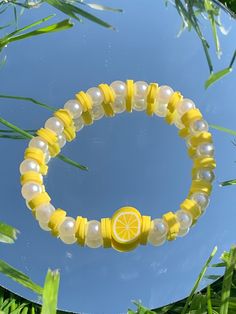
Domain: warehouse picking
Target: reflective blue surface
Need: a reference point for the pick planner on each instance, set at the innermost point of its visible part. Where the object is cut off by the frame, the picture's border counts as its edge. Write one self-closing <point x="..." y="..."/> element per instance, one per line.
<point x="132" y="159"/>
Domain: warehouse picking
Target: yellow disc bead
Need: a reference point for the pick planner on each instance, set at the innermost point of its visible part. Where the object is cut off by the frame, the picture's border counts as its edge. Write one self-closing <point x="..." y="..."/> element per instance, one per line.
<point x="31" y="176"/>
<point x="173" y="224"/>
<point x="109" y="98"/>
<point x="51" y="138"/>
<point x="204" y="137"/>
<point x="56" y="219"/>
<point x="36" y="154"/>
<point x="146" y="226"/>
<point x="183" y="132"/>
<point x="200" y="186"/>
<point x="191" y="115"/>
<point x="65" y="116"/>
<point x="70" y="133"/>
<point x="129" y="95"/>
<point x="42" y="198"/>
<point x="204" y="162"/>
<point x="151" y="98"/>
<point x="191" y="207"/>
<point x="80" y="229"/>
<point x="86" y="103"/>
<point x="175" y="98"/>
<point x="106" y="232"/>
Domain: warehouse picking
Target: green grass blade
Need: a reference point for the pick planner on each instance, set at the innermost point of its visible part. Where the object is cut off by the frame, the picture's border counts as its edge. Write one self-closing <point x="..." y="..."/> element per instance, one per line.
<point x="19" y="277"/>
<point x="56" y="27"/>
<point x="50" y="292"/>
<point x="100" y="7"/>
<point x="72" y="9"/>
<point x="220" y="128"/>
<point x="201" y="275"/>
<point x="227" y="183"/>
<point x="15" y="128"/>
<point x="227" y="281"/>
<point x="217" y="76"/>
<point x="63" y="7"/>
<point x="8" y="234"/>
<point x="72" y="162"/>
<point x="29" y="99"/>
<point x="209" y="305"/>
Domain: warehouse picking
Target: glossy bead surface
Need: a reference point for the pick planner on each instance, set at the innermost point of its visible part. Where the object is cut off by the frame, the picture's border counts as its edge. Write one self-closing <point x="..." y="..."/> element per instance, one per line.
<point x="119" y="88"/>
<point x="67" y="227"/>
<point x="93" y="236"/>
<point x="205" y="174"/>
<point x="74" y="107"/>
<point x="30" y="189"/>
<point x="205" y="149"/>
<point x="47" y="157"/>
<point x="201" y="199"/>
<point x="68" y="239"/>
<point x="44" y="226"/>
<point x="184" y="218"/>
<point x="79" y="124"/>
<point x="140" y="90"/>
<point x="161" y="109"/>
<point x="61" y="140"/>
<point x="185" y="105"/>
<point x="164" y="94"/>
<point x="38" y="142"/>
<point x="158" y="232"/>
<point x="119" y="104"/>
<point x="198" y="126"/>
<point x="55" y="125"/>
<point x="44" y="212"/>
<point x="96" y="95"/>
<point x="183" y="232"/>
<point x="97" y="112"/>
<point x="139" y="104"/>
<point x="29" y="165"/>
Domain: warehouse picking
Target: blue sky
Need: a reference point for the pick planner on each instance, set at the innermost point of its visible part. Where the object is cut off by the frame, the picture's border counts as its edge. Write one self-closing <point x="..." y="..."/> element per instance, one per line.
<point x="132" y="159"/>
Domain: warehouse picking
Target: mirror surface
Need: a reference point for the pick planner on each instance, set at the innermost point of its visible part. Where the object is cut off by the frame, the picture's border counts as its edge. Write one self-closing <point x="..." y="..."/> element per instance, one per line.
<point x="132" y="159"/>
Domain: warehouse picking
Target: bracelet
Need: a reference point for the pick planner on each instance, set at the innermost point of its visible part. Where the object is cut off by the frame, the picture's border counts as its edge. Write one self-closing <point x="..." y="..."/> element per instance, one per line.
<point x="127" y="228"/>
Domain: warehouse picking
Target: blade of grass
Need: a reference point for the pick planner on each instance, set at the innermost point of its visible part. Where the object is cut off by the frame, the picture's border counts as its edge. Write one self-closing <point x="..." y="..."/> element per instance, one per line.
<point x="216" y="76"/>
<point x="220" y="128"/>
<point x="50" y="292"/>
<point x="100" y="7"/>
<point x="19" y="277"/>
<point x="201" y="275"/>
<point x="72" y="162"/>
<point x="228" y="182"/>
<point x="227" y="281"/>
<point x="29" y="99"/>
<point x="8" y="234"/>
<point x="209" y="305"/>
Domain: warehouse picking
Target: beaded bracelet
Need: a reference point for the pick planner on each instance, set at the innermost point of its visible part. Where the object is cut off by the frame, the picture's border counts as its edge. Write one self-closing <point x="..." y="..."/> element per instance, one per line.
<point x="127" y="228"/>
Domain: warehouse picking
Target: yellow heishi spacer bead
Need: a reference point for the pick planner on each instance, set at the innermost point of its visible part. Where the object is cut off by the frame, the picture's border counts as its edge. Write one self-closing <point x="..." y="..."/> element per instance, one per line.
<point x="44" y="170"/>
<point x="80" y="229"/>
<point x="174" y="100"/>
<point x="86" y="103"/>
<point x="204" y="162"/>
<point x="42" y="198"/>
<point x="55" y="220"/>
<point x="201" y="138"/>
<point x="51" y="138"/>
<point x="170" y="117"/>
<point x="151" y="98"/>
<point x="146" y="226"/>
<point x="36" y="154"/>
<point x="106" y="232"/>
<point x="109" y="98"/>
<point x="173" y="224"/>
<point x="184" y="132"/>
<point x="70" y="133"/>
<point x="65" y="116"/>
<point x="31" y="176"/>
<point x="200" y="186"/>
<point x="191" y="152"/>
<point x="191" y="115"/>
<point x="191" y="207"/>
<point x="129" y="95"/>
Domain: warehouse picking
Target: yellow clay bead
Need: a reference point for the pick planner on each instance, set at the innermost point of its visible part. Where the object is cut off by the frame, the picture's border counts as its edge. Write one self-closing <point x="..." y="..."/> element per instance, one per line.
<point x="191" y="115"/>
<point x="80" y="230"/>
<point x="146" y="226"/>
<point x="42" y="198"/>
<point x="130" y="95"/>
<point x="201" y="138"/>
<point x="31" y="176"/>
<point x="65" y="116"/>
<point x="151" y="98"/>
<point x="34" y="153"/>
<point x="106" y="232"/>
<point x="86" y="103"/>
<point x="43" y="169"/>
<point x="200" y="186"/>
<point x="51" y="138"/>
<point x="191" y="207"/>
<point x="173" y="224"/>
<point x="69" y="133"/>
<point x="204" y="162"/>
<point x="56" y="219"/>
<point x="109" y="98"/>
<point x="184" y="132"/>
<point x="174" y="100"/>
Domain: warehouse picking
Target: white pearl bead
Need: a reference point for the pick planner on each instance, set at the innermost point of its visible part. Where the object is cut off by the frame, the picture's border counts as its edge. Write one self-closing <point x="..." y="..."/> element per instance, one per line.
<point x="205" y="174"/>
<point x="68" y="239"/>
<point x="30" y="189"/>
<point x="47" y="157"/>
<point x="183" y="232"/>
<point x="96" y="95"/>
<point x="185" y="105"/>
<point x="74" y="107"/>
<point x="97" y="112"/>
<point x="39" y="142"/>
<point x="93" y="236"/>
<point x="198" y="126"/>
<point x="161" y="109"/>
<point x="140" y="89"/>
<point x="164" y="94"/>
<point x="178" y="123"/>
<point x="55" y="125"/>
<point x="185" y="219"/>
<point x="201" y="199"/>
<point x="139" y="104"/>
<point x="158" y="232"/>
<point x="44" y="212"/>
<point x="119" y="88"/>
<point x="44" y="226"/>
<point x="119" y="104"/>
<point x="67" y="227"/>
<point x="79" y="124"/>
<point x="61" y="140"/>
<point x="27" y="205"/>
<point x="29" y="165"/>
<point x="205" y="149"/>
